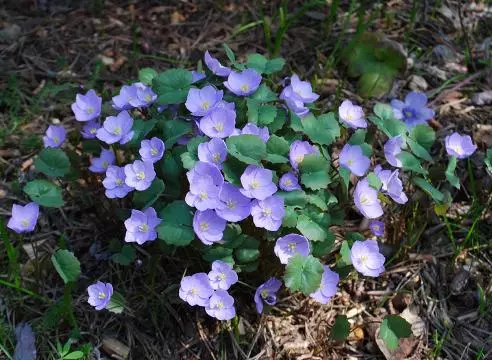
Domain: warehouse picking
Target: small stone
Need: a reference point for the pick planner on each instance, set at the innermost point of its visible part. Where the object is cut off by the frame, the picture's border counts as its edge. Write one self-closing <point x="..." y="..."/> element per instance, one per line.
<point x="482" y="98"/>
<point x="459" y="282"/>
<point x="418" y="83"/>
<point x="10" y="33"/>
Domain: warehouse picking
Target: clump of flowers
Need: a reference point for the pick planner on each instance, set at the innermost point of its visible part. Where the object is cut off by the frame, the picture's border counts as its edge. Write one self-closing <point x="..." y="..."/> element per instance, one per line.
<point x="220" y="159"/>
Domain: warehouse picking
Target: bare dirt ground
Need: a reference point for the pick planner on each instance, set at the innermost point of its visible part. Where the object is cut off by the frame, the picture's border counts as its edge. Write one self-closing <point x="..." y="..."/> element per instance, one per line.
<point x="49" y="49"/>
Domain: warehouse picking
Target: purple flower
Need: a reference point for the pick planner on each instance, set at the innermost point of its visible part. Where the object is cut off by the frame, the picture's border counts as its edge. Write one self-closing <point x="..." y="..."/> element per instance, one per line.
<point x="152" y="150"/>
<point x="141" y="225"/>
<point x="297" y="94"/>
<point x="116" y="129"/>
<point x="122" y="101"/>
<point x="328" y="286"/>
<point x="299" y="149"/>
<point x="139" y="175"/>
<point x="221" y="305"/>
<point x="366" y="200"/>
<point x="252" y="129"/>
<point x="459" y="146"/>
<point x="203" y="194"/>
<point x="24" y="218"/>
<point x="222" y="276"/>
<point x="220" y="123"/>
<point x="196" y="289"/>
<point x="267" y="293"/>
<point x="203" y="169"/>
<point x="100" y="164"/>
<point x="293" y="103"/>
<point x="257" y="182"/>
<point x="289" y="182"/>
<point x="268" y="213"/>
<point x="243" y="83"/>
<point x="89" y="130"/>
<point x="289" y="245"/>
<point x="366" y="258"/>
<point x="213" y="152"/>
<point x="352" y="115"/>
<point x="392" y="184"/>
<point x="215" y="66"/>
<point x="100" y="294"/>
<point x="392" y="147"/>
<point x="55" y="136"/>
<point x="144" y="96"/>
<point x="414" y="110"/>
<point x="114" y="183"/>
<point x="233" y="206"/>
<point x="25" y="348"/>
<point x="208" y="226"/>
<point x="201" y="102"/>
<point x="352" y="158"/>
<point x="196" y="76"/>
<point x="87" y="107"/>
<point x="376" y="227"/>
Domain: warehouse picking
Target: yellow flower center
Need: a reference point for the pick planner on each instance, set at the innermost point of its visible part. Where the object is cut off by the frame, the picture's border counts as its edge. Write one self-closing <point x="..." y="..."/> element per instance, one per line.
<point x="264" y="294"/>
<point x="219" y="305"/>
<point x="363" y="259"/>
<point x="298" y="159"/>
<point x="457" y="149"/>
<point x="90" y="110"/>
<point x="216" y="157"/>
<point x="140" y="175"/>
<point x="119" y="182"/>
<point x="364" y="200"/>
<point x="203" y="196"/>
<point x="219" y="126"/>
<point x="292" y="246"/>
<point x="193" y="291"/>
<point x="349" y="117"/>
<point x="25" y="222"/>
<point x="287" y="182"/>
<point x="222" y="276"/>
<point x="231" y="204"/>
<point x="204" y="226"/>
<point x="408" y="114"/>
<point x="93" y="131"/>
<point x="105" y="164"/>
<point x="205" y="105"/>
<point x="154" y="151"/>
<point x="143" y="228"/>
<point x="255" y="184"/>
<point x="350" y="162"/>
<point x="56" y="139"/>
<point x="101" y="295"/>
<point x="148" y="98"/>
<point x="117" y="130"/>
<point x="267" y="212"/>
<point x="245" y="87"/>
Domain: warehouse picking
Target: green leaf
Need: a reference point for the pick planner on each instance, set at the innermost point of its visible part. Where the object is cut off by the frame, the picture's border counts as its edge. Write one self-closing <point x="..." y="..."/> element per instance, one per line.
<point x="340" y="329"/>
<point x="147" y="75"/>
<point x="274" y="65"/>
<point x="266" y="115"/>
<point x="229" y="53"/>
<point x="52" y="162"/>
<point x="190" y="157"/>
<point x="176" y="227"/>
<point x="290" y="217"/>
<point x="345" y="176"/>
<point x="345" y="253"/>
<point x="117" y="303"/>
<point x="263" y="65"/>
<point x="74" y="355"/>
<point x="311" y="229"/>
<point x="144" y="199"/>
<point x="419" y="150"/>
<point x="264" y="94"/>
<point x="488" y="160"/>
<point x="450" y="174"/>
<point x="233" y="169"/>
<point x="66" y="264"/>
<point x="424" y="135"/>
<point x="296" y="198"/>
<point x="277" y="145"/>
<point x="410" y="162"/>
<point x="322" y="130"/>
<point x="172" y="86"/>
<point x="125" y="257"/>
<point x="383" y="111"/>
<point x="218" y="253"/>
<point x="141" y="128"/>
<point x="321" y="248"/>
<point x="375" y="84"/>
<point x="44" y="193"/>
<point x="247" y="251"/>
<point x="374" y="181"/>
<point x="314" y="172"/>
<point x="358" y="137"/>
<point x="386" y="121"/>
<point x="303" y="273"/>
<point x="394" y="328"/>
<point x="174" y="129"/>
<point x="279" y="121"/>
<point x="429" y="189"/>
<point x="247" y="148"/>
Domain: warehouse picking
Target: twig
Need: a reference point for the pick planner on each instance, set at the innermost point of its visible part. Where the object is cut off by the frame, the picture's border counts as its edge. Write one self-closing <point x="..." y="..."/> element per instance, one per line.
<point x="457" y="86"/>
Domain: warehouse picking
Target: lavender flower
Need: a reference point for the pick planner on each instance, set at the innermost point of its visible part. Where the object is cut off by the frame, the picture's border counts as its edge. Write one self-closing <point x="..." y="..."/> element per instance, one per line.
<point x="24" y="218"/>
<point x="144" y="96"/>
<point x="100" y="294"/>
<point x="222" y="275"/>
<point x="252" y="129"/>
<point x="196" y="289"/>
<point x="213" y="152"/>
<point x="328" y="286"/>
<point x="267" y="293"/>
<point x="203" y="169"/>
<point x="114" y="183"/>
<point x="289" y="245"/>
<point x="366" y="258"/>
<point x="459" y="146"/>
<point x="197" y="76"/>
<point x="243" y="83"/>
<point x="152" y="150"/>
<point x="208" y="226"/>
<point x="141" y="226"/>
<point x="392" y="184"/>
<point x="55" y="136"/>
<point x="257" y="182"/>
<point x="100" y="164"/>
<point x="25" y="348"/>
<point x="116" y="129"/>
<point x="376" y="227"/>
<point x="297" y="94"/>
<point x="352" y="158"/>
<point x="122" y="101"/>
<point x="233" y="206"/>
<point x="221" y="305"/>
<point x="201" y="102"/>
<point x="89" y="130"/>
<point x="87" y="107"/>
<point x="299" y="149"/>
<point x="289" y="182"/>
<point x="220" y="123"/>
<point x="392" y="147"/>
<point x="268" y="213"/>
<point x="139" y="175"/>
<point x="366" y="200"/>
<point x="215" y="66"/>
<point x="352" y="115"/>
<point x="203" y="194"/>
<point x="414" y="110"/>
<point x="294" y="104"/>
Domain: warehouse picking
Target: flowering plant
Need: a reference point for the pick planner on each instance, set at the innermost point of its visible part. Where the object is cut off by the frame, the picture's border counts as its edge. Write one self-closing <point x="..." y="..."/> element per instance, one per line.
<point x="219" y="158"/>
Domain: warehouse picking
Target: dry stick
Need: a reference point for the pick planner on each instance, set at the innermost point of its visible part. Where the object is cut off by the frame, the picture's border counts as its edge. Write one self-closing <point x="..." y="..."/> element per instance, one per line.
<point x="257" y="335"/>
<point x="457" y="86"/>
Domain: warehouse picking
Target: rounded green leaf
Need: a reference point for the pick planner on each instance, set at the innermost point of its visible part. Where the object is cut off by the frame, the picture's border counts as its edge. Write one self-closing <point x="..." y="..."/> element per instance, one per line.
<point x="394" y="328"/>
<point x="340" y="329"/>
<point x="144" y="199"/>
<point x="146" y="75"/>
<point x="66" y="264"/>
<point x="247" y="148"/>
<point x="116" y="303"/>
<point x="44" y="193"/>
<point x="303" y="273"/>
<point x="176" y="225"/>
<point x="52" y="162"/>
